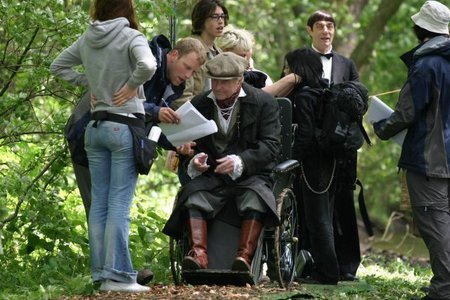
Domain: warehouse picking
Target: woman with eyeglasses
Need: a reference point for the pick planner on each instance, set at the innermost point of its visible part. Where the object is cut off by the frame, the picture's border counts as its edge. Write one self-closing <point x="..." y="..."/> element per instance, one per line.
<point x="209" y="17"/>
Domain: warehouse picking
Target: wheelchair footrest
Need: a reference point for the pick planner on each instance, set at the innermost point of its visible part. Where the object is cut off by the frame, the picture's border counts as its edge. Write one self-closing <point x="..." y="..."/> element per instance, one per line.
<point x="217" y="277"/>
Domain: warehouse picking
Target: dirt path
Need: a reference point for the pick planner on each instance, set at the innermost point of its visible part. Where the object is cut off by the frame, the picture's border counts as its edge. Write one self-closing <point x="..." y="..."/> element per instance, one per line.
<point x="202" y="292"/>
<point x="270" y="291"/>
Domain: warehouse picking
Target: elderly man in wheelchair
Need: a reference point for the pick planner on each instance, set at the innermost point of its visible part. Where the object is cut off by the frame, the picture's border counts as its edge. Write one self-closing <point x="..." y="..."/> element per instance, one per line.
<point x="233" y="164"/>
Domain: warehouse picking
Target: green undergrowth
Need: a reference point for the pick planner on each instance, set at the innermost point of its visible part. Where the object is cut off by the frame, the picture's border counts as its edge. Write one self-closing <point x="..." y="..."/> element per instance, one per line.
<point x="382" y="275"/>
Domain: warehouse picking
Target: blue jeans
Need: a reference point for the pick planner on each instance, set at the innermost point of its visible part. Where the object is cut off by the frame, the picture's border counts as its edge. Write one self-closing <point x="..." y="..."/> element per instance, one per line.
<point x="113" y="173"/>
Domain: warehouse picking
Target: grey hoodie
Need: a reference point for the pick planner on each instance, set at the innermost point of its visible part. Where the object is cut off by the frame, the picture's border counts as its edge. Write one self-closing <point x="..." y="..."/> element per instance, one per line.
<point x="112" y="54"/>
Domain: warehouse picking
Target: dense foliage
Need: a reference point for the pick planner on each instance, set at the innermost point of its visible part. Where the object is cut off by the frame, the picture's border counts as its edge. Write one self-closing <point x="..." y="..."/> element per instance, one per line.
<point x="43" y="240"/>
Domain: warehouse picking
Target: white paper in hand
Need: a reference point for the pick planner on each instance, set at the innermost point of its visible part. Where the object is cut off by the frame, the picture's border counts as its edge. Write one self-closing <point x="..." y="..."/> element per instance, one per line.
<point x="193" y="125"/>
<point x="378" y="110"/>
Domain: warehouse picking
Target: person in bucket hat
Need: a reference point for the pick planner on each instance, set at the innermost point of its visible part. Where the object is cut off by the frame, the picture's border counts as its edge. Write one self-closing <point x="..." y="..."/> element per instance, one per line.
<point x="422" y="109"/>
<point x="433" y="16"/>
<point x="232" y="164"/>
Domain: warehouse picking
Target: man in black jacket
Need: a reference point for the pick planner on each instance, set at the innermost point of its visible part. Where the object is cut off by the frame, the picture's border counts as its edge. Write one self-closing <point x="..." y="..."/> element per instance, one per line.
<point x="174" y="66"/>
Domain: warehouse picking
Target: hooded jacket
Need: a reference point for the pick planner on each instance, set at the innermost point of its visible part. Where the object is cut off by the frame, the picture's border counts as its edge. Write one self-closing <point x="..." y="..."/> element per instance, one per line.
<point x="424" y="109"/>
<point x="159" y="91"/>
<point x="112" y="54"/>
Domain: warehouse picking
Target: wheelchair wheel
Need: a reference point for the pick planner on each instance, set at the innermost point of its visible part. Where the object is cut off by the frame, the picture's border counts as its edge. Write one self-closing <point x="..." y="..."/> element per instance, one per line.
<point x="177" y="252"/>
<point x="258" y="261"/>
<point x="286" y="238"/>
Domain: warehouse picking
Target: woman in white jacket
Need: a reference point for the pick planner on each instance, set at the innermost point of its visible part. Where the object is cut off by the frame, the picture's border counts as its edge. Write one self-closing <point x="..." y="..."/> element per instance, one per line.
<point x="117" y="61"/>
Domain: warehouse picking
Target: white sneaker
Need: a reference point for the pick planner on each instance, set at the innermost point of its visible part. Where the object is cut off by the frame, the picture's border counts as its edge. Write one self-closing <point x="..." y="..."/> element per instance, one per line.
<point x="115" y="286"/>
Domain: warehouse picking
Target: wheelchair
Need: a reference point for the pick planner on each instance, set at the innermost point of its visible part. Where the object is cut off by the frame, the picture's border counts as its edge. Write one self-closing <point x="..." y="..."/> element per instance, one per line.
<point x="277" y="247"/>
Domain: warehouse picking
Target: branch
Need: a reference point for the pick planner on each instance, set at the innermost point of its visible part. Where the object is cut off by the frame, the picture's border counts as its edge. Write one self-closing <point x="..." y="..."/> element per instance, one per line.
<point x="373" y="31"/>
<point x="29" y="187"/>
<point x="18" y="134"/>
<point x="17" y="67"/>
<point x="347" y="45"/>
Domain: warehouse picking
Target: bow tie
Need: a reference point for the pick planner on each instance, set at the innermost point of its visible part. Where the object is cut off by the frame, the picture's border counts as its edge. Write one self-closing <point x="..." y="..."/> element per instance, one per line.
<point x="328" y="55"/>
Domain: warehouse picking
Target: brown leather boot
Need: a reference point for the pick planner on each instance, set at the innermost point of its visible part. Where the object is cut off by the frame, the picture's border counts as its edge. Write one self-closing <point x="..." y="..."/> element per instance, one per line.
<point x="250" y="231"/>
<point x="197" y="257"/>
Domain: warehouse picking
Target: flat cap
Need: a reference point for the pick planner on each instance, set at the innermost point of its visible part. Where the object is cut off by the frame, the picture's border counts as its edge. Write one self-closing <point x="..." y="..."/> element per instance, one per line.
<point x="226" y="66"/>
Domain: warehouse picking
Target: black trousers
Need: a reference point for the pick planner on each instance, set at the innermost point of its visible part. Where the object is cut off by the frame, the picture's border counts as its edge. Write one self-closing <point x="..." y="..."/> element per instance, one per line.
<point x="318" y="233"/>
<point x="83" y="177"/>
<point x="346" y="239"/>
<point x="345" y="229"/>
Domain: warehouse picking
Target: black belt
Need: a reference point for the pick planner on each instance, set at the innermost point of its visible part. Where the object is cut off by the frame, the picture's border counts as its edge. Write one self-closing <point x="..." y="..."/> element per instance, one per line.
<point x="102" y="115"/>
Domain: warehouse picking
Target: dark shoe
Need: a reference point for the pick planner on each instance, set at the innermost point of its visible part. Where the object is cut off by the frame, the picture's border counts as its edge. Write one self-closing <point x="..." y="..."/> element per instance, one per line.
<point x="250" y="231"/>
<point x="348" y="277"/>
<point x="302" y="259"/>
<point x="190" y="263"/>
<point x="197" y="257"/>
<point x="144" y="276"/>
<point x="424" y="298"/>
<point x="308" y="280"/>
<point x="311" y="280"/>
<point x="240" y="264"/>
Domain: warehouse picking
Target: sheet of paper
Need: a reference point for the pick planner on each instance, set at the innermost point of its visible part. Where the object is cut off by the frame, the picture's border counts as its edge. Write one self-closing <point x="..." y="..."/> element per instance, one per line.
<point x="192" y="126"/>
<point x="377" y="111"/>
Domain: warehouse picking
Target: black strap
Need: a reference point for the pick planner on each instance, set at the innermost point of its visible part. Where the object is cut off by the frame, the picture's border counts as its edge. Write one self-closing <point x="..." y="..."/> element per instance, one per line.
<point x="363" y="209"/>
<point x="364" y="133"/>
<point x="106" y="116"/>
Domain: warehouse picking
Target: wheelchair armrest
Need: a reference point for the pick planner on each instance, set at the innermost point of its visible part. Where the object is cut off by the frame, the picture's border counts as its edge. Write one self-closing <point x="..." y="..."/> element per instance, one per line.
<point x="286" y="166"/>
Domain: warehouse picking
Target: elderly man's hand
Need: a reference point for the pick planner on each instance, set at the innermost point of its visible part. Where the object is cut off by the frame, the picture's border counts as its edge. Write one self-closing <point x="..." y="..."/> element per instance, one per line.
<point x="225" y="165"/>
<point x="200" y="162"/>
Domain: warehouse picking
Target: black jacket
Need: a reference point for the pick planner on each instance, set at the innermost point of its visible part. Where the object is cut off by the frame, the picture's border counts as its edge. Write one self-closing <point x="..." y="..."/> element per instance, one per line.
<point x="343" y="69"/>
<point x="155" y="87"/>
<point x="317" y="164"/>
<point x="257" y="143"/>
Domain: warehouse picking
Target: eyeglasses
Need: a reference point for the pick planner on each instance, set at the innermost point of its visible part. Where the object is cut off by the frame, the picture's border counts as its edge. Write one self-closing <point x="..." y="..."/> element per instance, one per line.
<point x="217" y="17"/>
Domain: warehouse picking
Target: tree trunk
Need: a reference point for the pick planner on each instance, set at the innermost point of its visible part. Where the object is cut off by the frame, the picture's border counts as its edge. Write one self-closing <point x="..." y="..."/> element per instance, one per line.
<point x="355" y="10"/>
<point x="373" y="31"/>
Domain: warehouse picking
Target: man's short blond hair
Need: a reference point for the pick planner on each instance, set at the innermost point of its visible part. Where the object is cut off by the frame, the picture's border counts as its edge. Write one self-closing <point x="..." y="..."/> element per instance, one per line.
<point x="236" y="39"/>
<point x="187" y="45"/>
